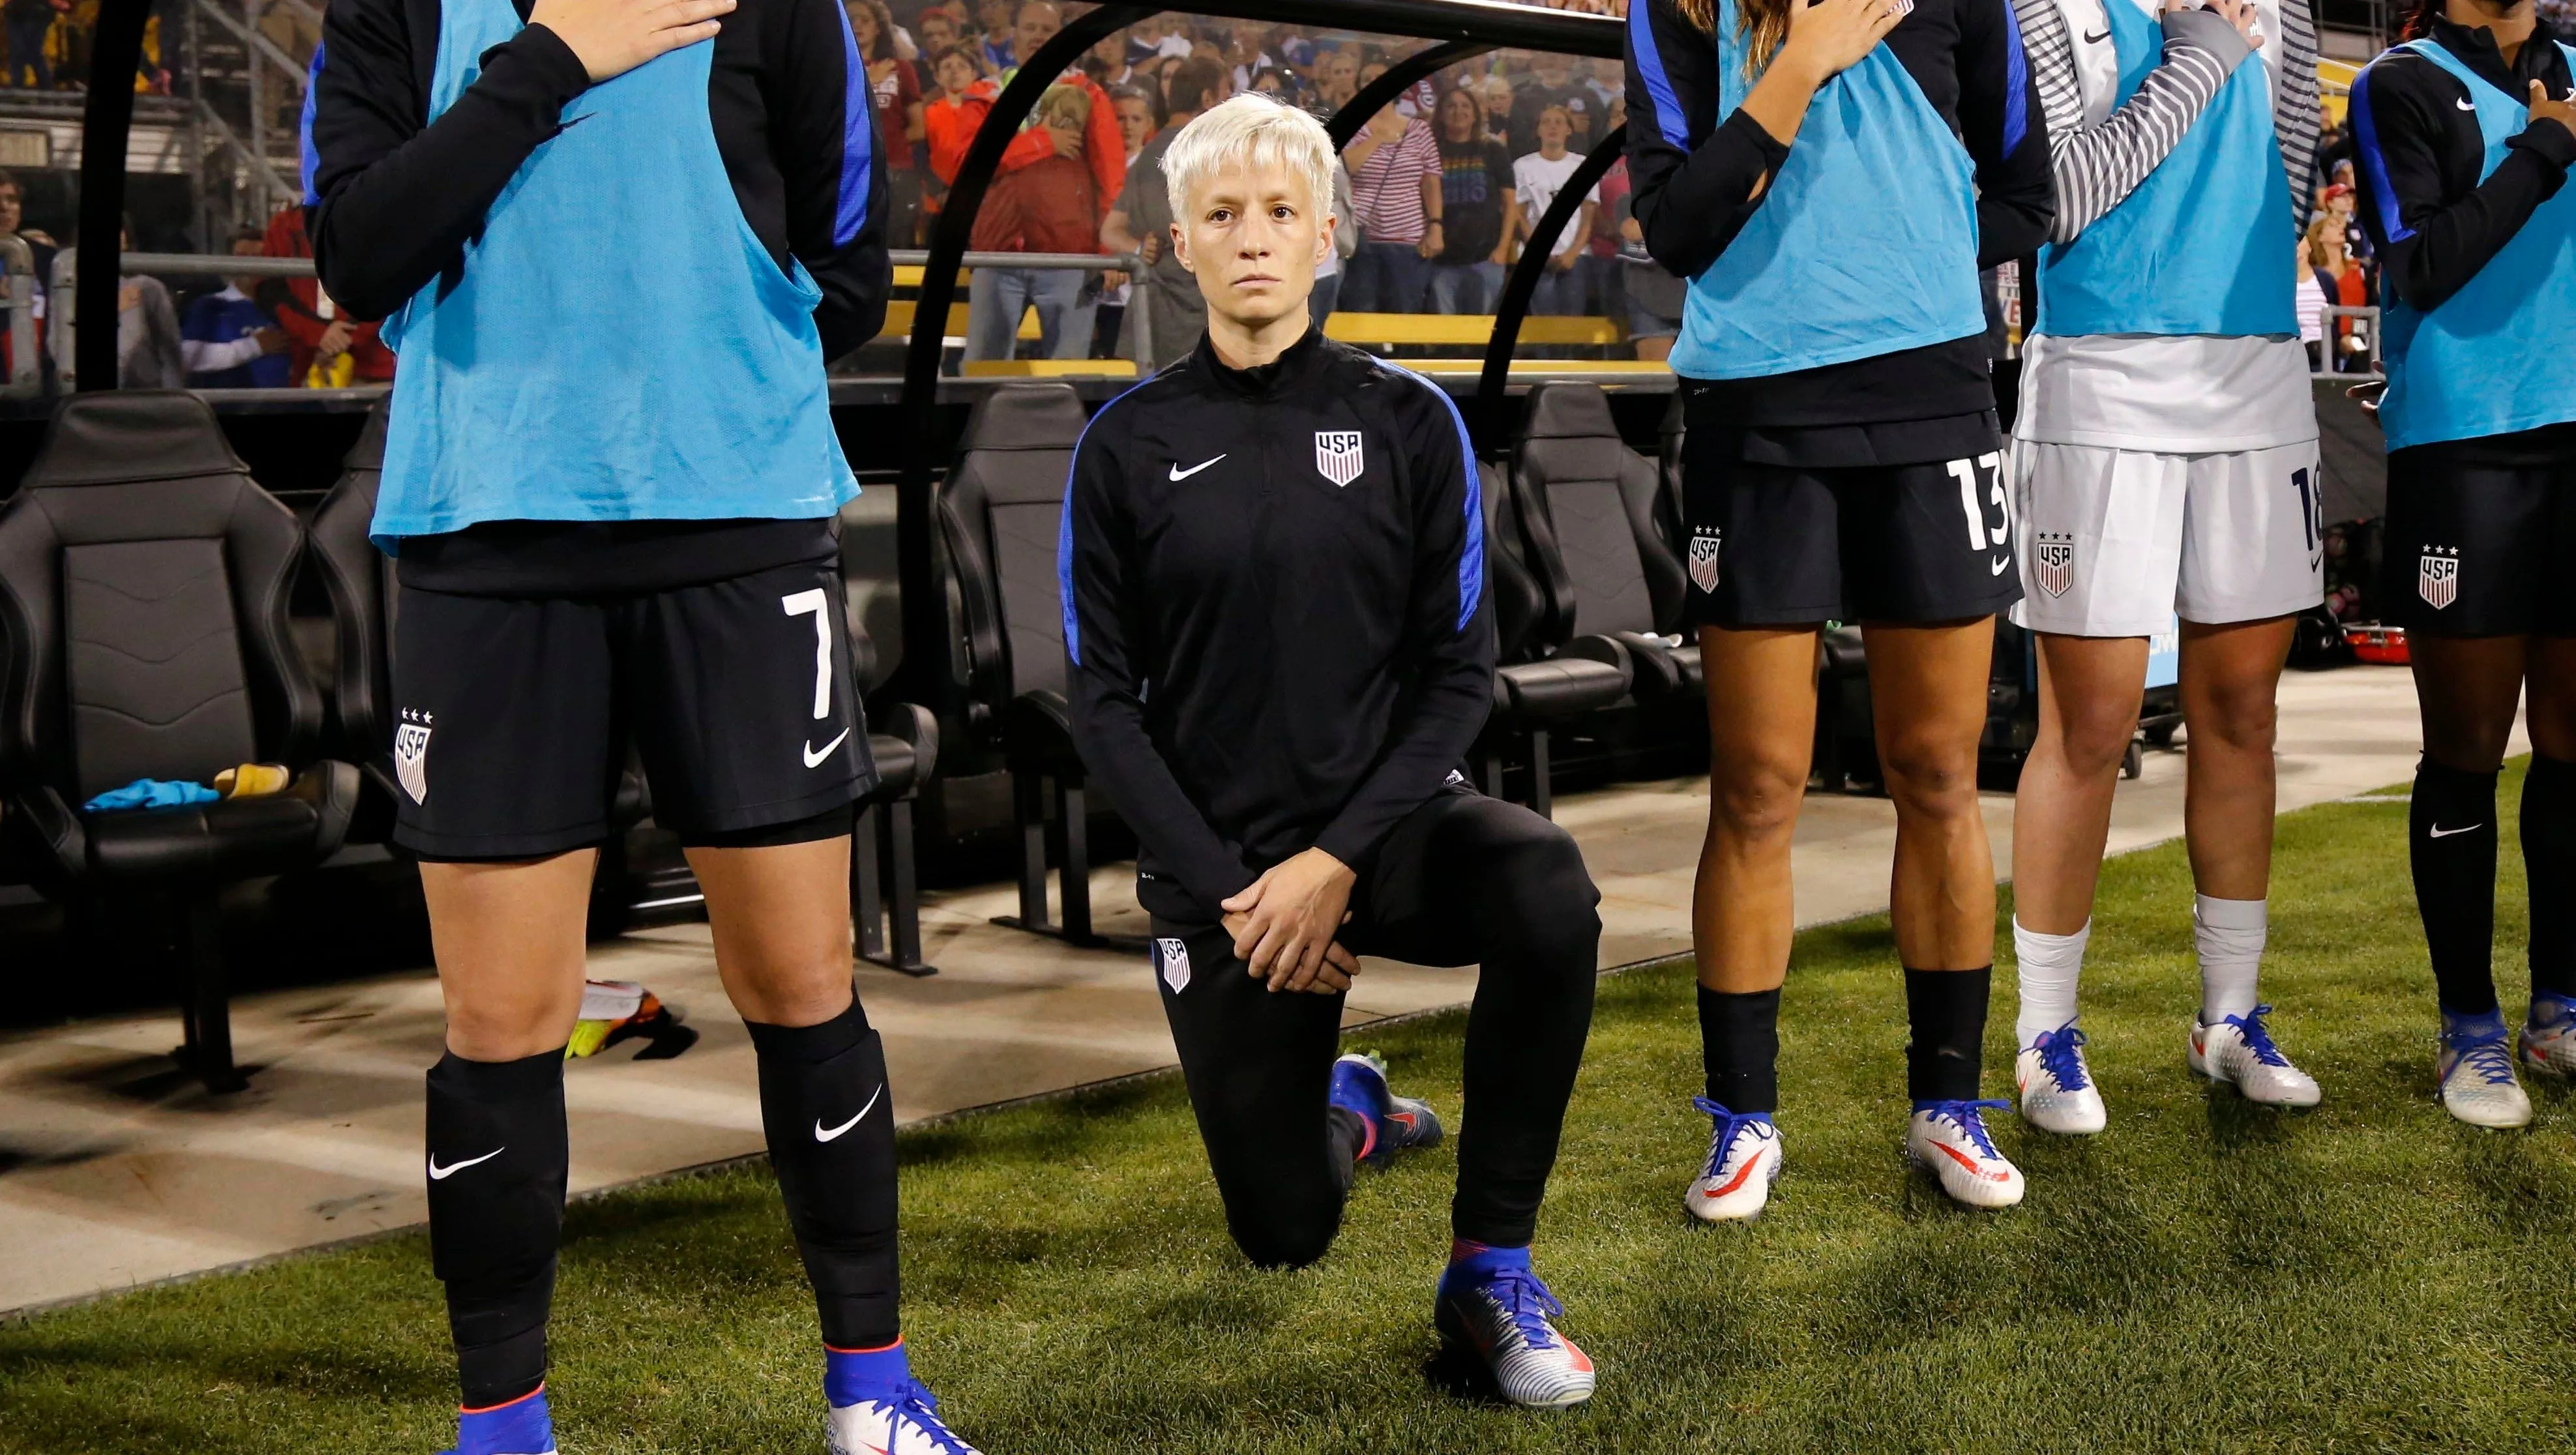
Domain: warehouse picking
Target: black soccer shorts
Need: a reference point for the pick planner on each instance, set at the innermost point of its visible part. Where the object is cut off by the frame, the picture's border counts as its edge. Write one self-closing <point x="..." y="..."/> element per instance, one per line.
<point x="2479" y="545"/>
<point x="513" y="712"/>
<point x="1780" y="545"/>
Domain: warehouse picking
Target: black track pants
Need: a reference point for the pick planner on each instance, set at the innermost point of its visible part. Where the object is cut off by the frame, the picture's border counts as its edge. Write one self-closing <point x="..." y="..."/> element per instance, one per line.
<point x="1463" y="880"/>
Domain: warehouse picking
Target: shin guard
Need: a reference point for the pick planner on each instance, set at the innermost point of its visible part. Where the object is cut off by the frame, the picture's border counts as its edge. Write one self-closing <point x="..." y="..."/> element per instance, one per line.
<point x="824" y="1106"/>
<point x="497" y="1165"/>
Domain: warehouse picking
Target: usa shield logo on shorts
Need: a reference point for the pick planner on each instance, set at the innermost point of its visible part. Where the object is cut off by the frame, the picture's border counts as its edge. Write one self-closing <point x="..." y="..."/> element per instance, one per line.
<point x="1703" y="559"/>
<point x="2437" y="576"/>
<point x="411" y="755"/>
<point x="1337" y="455"/>
<point x="1174" y="957"/>
<point x="2052" y="562"/>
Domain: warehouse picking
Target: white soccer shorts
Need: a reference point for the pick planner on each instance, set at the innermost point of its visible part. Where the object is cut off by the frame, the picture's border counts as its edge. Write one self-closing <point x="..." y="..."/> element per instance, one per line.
<point x="2116" y="542"/>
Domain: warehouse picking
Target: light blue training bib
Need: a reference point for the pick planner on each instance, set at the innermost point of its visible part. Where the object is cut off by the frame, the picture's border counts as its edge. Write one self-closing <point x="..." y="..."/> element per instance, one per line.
<point x="2204" y="245"/>
<point x="618" y="344"/>
<point x="2492" y="358"/>
<point x="1865" y="243"/>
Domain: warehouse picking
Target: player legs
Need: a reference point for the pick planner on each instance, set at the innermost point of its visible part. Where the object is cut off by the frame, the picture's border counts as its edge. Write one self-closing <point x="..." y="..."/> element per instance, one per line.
<point x="509" y="944"/>
<point x="1762" y="730"/>
<point x="2472" y="547"/>
<point x="1466" y="879"/>
<point x="2231" y="676"/>
<point x="1928" y="695"/>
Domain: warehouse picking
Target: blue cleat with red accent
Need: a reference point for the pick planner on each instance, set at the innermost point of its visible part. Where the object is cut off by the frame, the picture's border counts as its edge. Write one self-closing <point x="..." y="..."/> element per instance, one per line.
<point x="520" y="1427"/>
<point x="1395" y="1123"/>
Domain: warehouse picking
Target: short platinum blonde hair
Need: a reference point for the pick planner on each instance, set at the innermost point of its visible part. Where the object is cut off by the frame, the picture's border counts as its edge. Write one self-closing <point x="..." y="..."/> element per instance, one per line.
<point x="1253" y="131"/>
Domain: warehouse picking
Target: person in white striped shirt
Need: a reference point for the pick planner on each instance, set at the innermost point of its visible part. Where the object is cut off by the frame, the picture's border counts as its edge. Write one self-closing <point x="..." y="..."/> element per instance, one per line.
<point x="2165" y="465"/>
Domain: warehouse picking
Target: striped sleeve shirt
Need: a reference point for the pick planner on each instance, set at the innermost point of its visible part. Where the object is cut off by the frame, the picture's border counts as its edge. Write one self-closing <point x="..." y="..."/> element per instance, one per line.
<point x="2099" y="165"/>
<point x="1386" y="190"/>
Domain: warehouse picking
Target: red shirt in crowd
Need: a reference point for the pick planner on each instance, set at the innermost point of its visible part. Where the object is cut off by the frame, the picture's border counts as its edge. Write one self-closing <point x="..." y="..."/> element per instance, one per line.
<point x="1048" y="206"/>
<point x="1103" y="149"/>
<point x="896" y="91"/>
<point x="301" y="314"/>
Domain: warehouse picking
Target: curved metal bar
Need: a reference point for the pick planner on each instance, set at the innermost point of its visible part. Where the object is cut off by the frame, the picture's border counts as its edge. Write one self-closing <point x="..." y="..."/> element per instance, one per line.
<point x="107" y="120"/>
<point x="925" y="625"/>
<point x="1399" y="78"/>
<point x="1495" y="22"/>
<point x="1492" y="384"/>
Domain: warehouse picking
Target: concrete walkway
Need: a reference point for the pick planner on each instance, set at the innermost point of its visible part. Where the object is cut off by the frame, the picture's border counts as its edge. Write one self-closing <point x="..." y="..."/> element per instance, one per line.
<point x="114" y="1171"/>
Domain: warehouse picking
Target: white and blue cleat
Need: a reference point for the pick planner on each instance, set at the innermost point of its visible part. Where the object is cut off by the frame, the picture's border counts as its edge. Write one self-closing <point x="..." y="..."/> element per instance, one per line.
<point x="1734" y="1184"/>
<point x="1948" y="1139"/>
<point x="2476" y="1072"/>
<point x="2239" y="1051"/>
<point x="2546" y="1044"/>
<point x="878" y="1408"/>
<point x="2058" y="1092"/>
<point x="1493" y="1306"/>
<point x="521" y="1427"/>
<point x="1395" y="1123"/>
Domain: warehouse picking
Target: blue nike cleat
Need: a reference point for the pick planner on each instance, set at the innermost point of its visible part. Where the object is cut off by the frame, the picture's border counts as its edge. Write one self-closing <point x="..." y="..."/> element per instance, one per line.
<point x="1395" y="1123"/>
<point x="521" y="1427"/>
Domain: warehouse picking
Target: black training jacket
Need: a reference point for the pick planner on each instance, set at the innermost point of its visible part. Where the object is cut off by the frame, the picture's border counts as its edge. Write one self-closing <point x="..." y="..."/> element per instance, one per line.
<point x="1275" y="607"/>
<point x="2417" y="152"/>
<point x="391" y="199"/>
<point x="1692" y="192"/>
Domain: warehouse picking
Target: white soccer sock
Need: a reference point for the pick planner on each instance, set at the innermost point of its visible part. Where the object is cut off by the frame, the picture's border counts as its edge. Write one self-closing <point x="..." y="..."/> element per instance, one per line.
<point x="2049" y="967"/>
<point x="2229" y="935"/>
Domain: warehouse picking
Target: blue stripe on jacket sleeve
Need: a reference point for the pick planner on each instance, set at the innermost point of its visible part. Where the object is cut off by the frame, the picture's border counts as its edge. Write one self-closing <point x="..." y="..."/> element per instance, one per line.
<point x="1650" y="65"/>
<point x="2016" y="85"/>
<point x="858" y="138"/>
<point x="1064" y="528"/>
<point x="1471" y="553"/>
<point x="2365" y="145"/>
<point x="312" y="83"/>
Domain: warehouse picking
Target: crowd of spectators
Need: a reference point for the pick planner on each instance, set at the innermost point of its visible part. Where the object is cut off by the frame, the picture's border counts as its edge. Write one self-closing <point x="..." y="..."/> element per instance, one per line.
<point x="1438" y="192"/>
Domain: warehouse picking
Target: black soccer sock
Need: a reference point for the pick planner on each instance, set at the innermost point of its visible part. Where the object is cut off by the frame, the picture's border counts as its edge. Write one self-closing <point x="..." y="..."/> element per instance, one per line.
<point x="497" y="1164"/>
<point x="2549" y="863"/>
<point x="831" y="1141"/>
<point x="1946" y="1011"/>
<point x="2451" y="840"/>
<point x="1739" y="1047"/>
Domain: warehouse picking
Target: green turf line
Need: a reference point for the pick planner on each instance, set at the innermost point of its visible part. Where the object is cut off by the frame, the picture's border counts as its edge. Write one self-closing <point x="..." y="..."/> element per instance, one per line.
<point x="2367" y="1276"/>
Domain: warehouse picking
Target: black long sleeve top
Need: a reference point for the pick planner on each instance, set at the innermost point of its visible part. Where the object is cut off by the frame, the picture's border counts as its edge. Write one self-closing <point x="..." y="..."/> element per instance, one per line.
<point x="2418" y="152"/>
<point x="1276" y="616"/>
<point x="393" y="197"/>
<point x="1695" y="192"/>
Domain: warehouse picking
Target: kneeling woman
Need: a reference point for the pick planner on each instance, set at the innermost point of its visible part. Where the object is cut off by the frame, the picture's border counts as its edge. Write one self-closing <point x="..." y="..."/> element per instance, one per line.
<point x="2463" y="134"/>
<point x="1832" y="198"/>
<point x="1281" y="648"/>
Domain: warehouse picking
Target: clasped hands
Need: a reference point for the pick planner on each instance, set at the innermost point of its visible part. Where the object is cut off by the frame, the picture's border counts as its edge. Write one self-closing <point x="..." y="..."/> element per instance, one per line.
<point x="1284" y="924"/>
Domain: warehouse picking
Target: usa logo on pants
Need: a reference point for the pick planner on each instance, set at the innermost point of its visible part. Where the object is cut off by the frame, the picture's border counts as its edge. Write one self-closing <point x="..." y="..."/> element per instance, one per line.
<point x="1337" y="455"/>
<point x="1703" y="559"/>
<point x="1174" y="957"/>
<point x="2052" y="562"/>
<point x="2437" y="576"/>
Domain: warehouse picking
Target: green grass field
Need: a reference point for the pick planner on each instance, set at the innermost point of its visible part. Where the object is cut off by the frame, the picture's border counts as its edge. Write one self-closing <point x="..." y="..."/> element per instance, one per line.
<point x="2367" y="1276"/>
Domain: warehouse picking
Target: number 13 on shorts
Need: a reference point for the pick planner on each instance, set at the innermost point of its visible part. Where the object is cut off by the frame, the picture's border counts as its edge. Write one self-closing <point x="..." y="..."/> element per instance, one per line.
<point x="1981" y="484"/>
